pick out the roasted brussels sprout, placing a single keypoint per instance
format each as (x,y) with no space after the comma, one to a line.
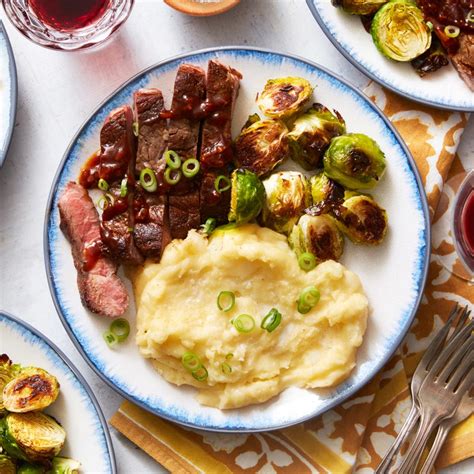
(362,219)
(431,60)
(32,437)
(32,389)
(65,466)
(27,468)
(325,194)
(247,196)
(251,120)
(284,97)
(287,196)
(359,7)
(262,146)
(311,134)
(8,371)
(318,235)
(354,161)
(399,30)
(7,465)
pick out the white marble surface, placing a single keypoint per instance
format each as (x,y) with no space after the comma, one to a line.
(57,92)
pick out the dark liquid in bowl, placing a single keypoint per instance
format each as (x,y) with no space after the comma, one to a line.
(69,15)
(467,224)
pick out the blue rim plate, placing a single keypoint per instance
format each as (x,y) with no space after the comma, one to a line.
(393,304)
(88,438)
(443,89)
(8,93)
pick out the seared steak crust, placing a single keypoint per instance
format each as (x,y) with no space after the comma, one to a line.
(463,60)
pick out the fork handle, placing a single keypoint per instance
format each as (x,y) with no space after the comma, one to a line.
(443,431)
(407,428)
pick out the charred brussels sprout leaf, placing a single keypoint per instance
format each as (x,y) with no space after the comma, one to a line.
(311,134)
(318,235)
(400,31)
(284,97)
(65,466)
(362,219)
(354,161)
(251,120)
(432,60)
(247,196)
(8,371)
(325,193)
(287,196)
(359,7)
(32,389)
(262,146)
(7,465)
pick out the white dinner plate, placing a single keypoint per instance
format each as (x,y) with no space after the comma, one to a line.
(393,274)
(87,435)
(443,88)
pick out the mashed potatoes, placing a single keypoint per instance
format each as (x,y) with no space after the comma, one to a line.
(177,313)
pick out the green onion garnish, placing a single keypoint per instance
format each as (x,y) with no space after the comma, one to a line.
(172,179)
(173,160)
(120,328)
(307,261)
(110,338)
(190,361)
(148,180)
(191,167)
(244,323)
(229,356)
(226,368)
(209,226)
(452,31)
(219,187)
(105,200)
(225,301)
(200,374)
(136,128)
(103,185)
(430,25)
(470,16)
(308,299)
(123,188)
(272,320)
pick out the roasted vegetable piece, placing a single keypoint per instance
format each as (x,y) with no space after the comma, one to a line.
(8,371)
(318,235)
(247,196)
(27,468)
(7,465)
(311,134)
(251,120)
(262,146)
(287,196)
(284,97)
(32,389)
(325,193)
(359,7)
(362,219)
(354,161)
(400,31)
(65,466)
(32,437)
(431,60)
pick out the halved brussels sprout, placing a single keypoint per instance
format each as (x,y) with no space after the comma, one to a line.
(27,468)
(262,146)
(7,465)
(311,134)
(318,235)
(32,389)
(362,219)
(32,437)
(355,161)
(65,466)
(325,193)
(399,30)
(287,196)
(359,7)
(8,371)
(284,96)
(247,196)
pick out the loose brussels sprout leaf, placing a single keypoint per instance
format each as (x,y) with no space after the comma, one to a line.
(362,219)
(399,30)
(359,7)
(354,161)
(65,466)
(318,235)
(7,465)
(32,389)
(325,193)
(284,97)
(27,468)
(32,436)
(287,196)
(251,120)
(262,146)
(432,60)
(247,196)
(311,134)
(8,371)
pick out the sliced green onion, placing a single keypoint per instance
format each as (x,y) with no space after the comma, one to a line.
(105,200)
(120,328)
(191,167)
(103,185)
(226,368)
(209,226)
(307,261)
(130,229)
(110,338)
(430,25)
(200,374)
(123,188)
(308,299)
(219,187)
(225,301)
(172,179)
(148,180)
(136,128)
(244,323)
(272,320)
(452,31)
(190,361)
(470,16)
(173,160)
(229,356)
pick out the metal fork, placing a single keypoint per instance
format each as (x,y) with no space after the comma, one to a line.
(420,373)
(450,377)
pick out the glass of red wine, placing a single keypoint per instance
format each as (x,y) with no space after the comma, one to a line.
(67,25)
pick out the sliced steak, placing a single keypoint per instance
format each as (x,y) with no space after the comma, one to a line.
(184,214)
(463,60)
(100,288)
(212,203)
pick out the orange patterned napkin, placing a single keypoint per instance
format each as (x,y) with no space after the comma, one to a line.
(355,435)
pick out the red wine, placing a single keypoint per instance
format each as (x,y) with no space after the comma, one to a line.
(69,14)
(467,224)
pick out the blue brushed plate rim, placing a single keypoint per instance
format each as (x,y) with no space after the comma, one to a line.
(51,231)
(59,356)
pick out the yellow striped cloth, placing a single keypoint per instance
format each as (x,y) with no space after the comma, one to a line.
(354,436)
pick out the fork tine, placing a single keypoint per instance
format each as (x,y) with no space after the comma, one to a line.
(461,320)
(464,367)
(454,364)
